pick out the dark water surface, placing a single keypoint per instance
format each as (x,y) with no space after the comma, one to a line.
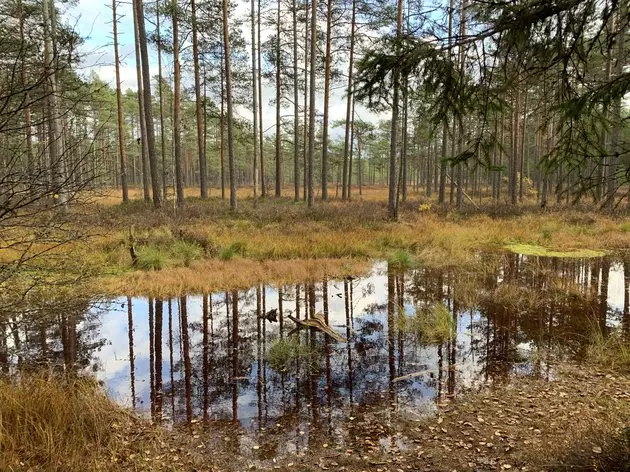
(209,356)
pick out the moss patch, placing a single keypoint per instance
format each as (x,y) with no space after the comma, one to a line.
(534,250)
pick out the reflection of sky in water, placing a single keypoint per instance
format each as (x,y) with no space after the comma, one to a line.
(493,341)
(368,351)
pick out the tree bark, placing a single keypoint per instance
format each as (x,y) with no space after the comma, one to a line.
(121,125)
(311,124)
(278,99)
(177,97)
(326,103)
(228,99)
(392,209)
(203,182)
(296,109)
(346,145)
(254,101)
(148,109)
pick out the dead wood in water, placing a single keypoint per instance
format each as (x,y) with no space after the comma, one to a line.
(317,322)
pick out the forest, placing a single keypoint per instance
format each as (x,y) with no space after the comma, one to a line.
(314,235)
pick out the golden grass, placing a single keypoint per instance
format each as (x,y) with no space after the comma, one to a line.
(56,424)
(215,275)
(282,230)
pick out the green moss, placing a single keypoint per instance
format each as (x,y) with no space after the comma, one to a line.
(534,250)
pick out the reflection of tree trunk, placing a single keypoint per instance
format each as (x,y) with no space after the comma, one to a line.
(259,360)
(183,313)
(604,295)
(151,358)
(347,302)
(159,311)
(400,282)
(132,370)
(280,311)
(235,340)
(391,340)
(207,307)
(4,354)
(625,323)
(170,348)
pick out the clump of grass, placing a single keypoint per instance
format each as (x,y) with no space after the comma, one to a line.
(285,355)
(186,252)
(56,424)
(610,350)
(151,258)
(533,250)
(237,248)
(434,324)
(400,260)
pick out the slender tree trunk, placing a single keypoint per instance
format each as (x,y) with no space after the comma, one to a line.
(296,109)
(346,145)
(161,98)
(148,108)
(177,105)
(305,131)
(615,146)
(263,183)
(446,127)
(222,131)
(121,122)
(228,93)
(393,150)
(254,100)
(351,153)
(311,123)
(278,99)
(203,182)
(55,140)
(326,103)
(28,129)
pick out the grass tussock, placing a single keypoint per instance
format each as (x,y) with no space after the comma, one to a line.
(610,350)
(286,355)
(400,260)
(434,324)
(56,424)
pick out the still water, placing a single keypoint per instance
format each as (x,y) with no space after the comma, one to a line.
(211,356)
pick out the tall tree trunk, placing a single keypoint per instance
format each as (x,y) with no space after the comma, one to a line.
(305,130)
(615,147)
(254,100)
(278,99)
(228,97)
(446,127)
(177,105)
(311,123)
(263,182)
(161,98)
(28,129)
(392,209)
(203,182)
(326,103)
(55,140)
(296,108)
(121,125)
(148,109)
(346,145)
(222,130)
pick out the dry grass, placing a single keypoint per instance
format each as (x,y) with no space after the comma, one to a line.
(56,424)
(215,275)
(205,232)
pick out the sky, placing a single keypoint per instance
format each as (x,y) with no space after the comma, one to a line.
(92,19)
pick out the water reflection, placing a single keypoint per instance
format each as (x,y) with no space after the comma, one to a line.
(207,356)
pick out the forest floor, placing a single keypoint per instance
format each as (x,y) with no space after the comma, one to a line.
(577,421)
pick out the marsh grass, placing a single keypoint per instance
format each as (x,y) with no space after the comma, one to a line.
(151,258)
(235,249)
(54,423)
(400,260)
(610,350)
(285,355)
(433,324)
